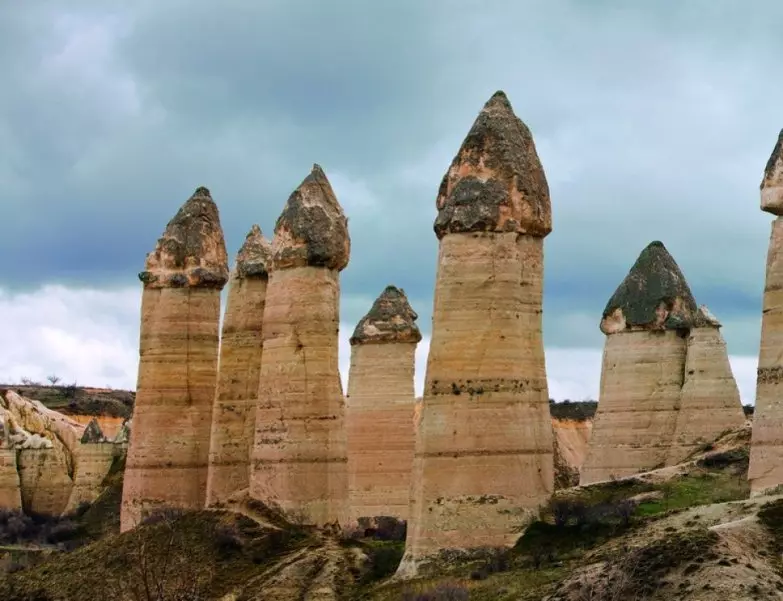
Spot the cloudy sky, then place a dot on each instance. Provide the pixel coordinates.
(652, 121)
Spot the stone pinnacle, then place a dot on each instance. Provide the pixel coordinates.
(92, 433)
(192, 250)
(255, 255)
(705, 318)
(312, 230)
(391, 319)
(653, 296)
(772, 183)
(496, 182)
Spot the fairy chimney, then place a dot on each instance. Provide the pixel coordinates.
(233, 416)
(299, 453)
(483, 454)
(646, 322)
(180, 314)
(709, 400)
(766, 451)
(380, 406)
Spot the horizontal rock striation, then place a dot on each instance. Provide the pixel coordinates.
(169, 443)
(483, 459)
(94, 457)
(233, 417)
(380, 408)
(299, 453)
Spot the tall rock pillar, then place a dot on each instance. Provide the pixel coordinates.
(299, 454)
(234, 413)
(180, 314)
(766, 450)
(380, 408)
(647, 322)
(483, 455)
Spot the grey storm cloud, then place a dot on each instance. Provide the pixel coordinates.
(652, 122)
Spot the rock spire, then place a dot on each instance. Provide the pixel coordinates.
(233, 416)
(299, 453)
(180, 314)
(380, 408)
(483, 455)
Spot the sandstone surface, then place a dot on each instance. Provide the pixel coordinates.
(299, 453)
(169, 446)
(766, 453)
(10, 492)
(483, 459)
(380, 408)
(709, 400)
(233, 416)
(94, 458)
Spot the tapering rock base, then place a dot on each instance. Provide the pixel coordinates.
(299, 456)
(483, 459)
(44, 481)
(93, 461)
(169, 446)
(10, 494)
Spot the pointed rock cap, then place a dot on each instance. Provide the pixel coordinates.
(312, 230)
(93, 433)
(653, 296)
(391, 319)
(192, 251)
(705, 318)
(255, 256)
(496, 182)
(772, 183)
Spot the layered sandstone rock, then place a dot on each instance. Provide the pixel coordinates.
(233, 416)
(709, 400)
(380, 408)
(766, 453)
(483, 456)
(571, 438)
(299, 455)
(180, 312)
(646, 322)
(10, 495)
(94, 458)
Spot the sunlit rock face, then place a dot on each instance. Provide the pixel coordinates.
(483, 457)
(233, 417)
(380, 408)
(180, 314)
(299, 453)
(766, 454)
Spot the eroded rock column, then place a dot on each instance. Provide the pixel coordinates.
(94, 457)
(766, 451)
(299, 455)
(646, 322)
(180, 314)
(380, 408)
(710, 402)
(483, 456)
(233, 418)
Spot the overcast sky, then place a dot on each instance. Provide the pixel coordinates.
(652, 121)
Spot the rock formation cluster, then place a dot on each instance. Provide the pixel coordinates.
(49, 464)
(233, 417)
(180, 315)
(299, 460)
(666, 384)
(380, 408)
(766, 455)
(483, 457)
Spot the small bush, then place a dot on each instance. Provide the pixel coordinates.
(227, 540)
(442, 592)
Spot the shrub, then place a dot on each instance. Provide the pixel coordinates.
(442, 592)
(227, 540)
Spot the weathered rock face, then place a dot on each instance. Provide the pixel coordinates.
(299, 454)
(666, 384)
(483, 455)
(571, 438)
(380, 408)
(94, 457)
(180, 313)
(766, 453)
(10, 495)
(709, 400)
(233, 417)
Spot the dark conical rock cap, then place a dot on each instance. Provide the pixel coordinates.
(705, 318)
(772, 182)
(312, 230)
(254, 258)
(93, 433)
(653, 296)
(192, 250)
(496, 182)
(391, 319)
